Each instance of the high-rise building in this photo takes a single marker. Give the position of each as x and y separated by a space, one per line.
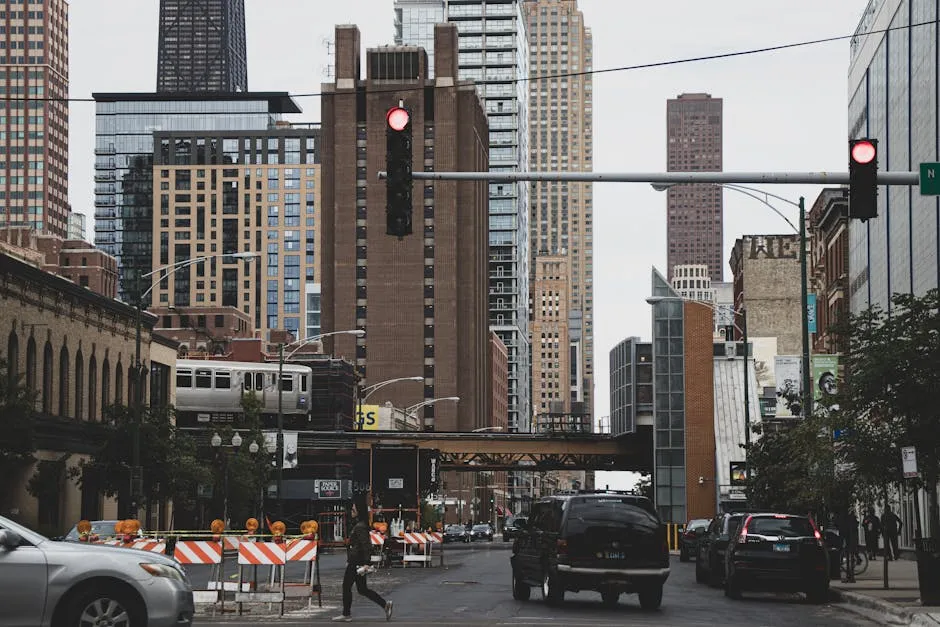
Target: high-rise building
631 385
414 25
76 230
202 46
34 79
421 299
893 86
551 362
492 40
694 144
232 192
561 216
124 186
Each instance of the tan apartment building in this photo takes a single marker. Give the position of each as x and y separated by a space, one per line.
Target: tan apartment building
233 192
551 364
34 114
422 299
561 216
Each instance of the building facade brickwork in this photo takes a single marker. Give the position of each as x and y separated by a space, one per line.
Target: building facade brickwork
700 473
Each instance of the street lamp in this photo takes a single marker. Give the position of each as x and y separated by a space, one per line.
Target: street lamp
216 443
366 392
431 401
280 401
137 475
482 429
763 197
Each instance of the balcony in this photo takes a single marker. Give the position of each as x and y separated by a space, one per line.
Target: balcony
110 150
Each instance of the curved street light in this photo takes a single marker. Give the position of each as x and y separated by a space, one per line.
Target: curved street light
431 401
755 193
482 429
369 389
313 338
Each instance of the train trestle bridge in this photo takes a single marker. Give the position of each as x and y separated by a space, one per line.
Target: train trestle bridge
474 452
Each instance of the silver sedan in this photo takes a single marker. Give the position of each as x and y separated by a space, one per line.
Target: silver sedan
43 582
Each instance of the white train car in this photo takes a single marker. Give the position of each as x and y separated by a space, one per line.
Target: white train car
216 387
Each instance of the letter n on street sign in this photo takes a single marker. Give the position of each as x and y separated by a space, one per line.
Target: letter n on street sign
930 179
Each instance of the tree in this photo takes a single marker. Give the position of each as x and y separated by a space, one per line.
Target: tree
17 445
644 486
889 400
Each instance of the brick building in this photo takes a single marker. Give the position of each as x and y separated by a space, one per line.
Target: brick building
422 300
75 350
829 231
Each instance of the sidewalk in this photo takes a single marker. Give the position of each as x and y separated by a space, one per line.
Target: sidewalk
898 605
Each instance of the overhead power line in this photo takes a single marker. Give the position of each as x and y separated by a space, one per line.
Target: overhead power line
622 68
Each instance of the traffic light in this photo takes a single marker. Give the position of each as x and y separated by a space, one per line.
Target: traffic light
863 178
398 159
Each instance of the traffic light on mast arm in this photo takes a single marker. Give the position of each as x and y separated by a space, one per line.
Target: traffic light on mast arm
863 178
398 160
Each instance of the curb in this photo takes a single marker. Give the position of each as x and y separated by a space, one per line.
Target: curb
856 600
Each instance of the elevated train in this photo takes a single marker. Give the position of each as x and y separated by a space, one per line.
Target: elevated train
211 391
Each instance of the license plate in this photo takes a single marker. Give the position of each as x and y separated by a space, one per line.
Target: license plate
782 547
615 556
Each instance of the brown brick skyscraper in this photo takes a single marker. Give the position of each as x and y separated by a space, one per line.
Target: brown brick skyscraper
422 300
694 139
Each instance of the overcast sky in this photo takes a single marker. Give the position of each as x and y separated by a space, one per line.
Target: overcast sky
783 111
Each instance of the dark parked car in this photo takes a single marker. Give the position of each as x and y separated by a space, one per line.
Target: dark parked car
513 526
710 563
688 541
779 553
456 533
481 532
611 542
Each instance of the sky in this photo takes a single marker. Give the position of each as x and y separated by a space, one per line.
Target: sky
783 110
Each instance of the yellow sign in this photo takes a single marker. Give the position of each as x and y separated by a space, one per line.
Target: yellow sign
368 418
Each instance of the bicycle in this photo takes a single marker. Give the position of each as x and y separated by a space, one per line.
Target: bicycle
861 564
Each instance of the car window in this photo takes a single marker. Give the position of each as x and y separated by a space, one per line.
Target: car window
481 527
787 527
700 523
732 524
23 541
608 511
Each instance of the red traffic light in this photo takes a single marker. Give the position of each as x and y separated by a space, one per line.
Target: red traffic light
397 118
863 152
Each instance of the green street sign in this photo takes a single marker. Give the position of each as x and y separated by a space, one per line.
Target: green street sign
930 179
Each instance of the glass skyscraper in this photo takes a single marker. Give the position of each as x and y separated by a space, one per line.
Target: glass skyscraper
493 53
893 96
202 46
414 25
124 130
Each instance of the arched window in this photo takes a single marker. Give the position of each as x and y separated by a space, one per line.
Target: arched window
131 391
119 384
79 385
92 389
105 385
47 370
13 357
64 382
31 365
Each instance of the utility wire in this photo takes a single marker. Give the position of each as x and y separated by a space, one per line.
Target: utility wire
623 68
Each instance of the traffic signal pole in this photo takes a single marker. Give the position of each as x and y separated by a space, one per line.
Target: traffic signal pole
776 178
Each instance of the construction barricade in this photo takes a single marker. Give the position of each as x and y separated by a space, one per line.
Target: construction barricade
278 556
418 547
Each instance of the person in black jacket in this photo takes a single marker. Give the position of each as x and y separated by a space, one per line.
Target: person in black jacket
359 555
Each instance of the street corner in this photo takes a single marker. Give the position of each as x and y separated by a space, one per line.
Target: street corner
883 612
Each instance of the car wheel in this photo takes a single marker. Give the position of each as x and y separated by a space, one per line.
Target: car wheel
520 590
700 574
683 554
552 592
105 607
651 596
610 597
818 594
732 589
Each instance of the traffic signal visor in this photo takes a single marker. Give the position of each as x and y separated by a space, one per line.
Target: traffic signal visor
397 118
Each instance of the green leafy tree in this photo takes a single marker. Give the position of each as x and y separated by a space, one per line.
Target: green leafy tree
889 398
644 486
17 445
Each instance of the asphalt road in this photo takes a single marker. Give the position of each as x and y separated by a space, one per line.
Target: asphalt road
473 588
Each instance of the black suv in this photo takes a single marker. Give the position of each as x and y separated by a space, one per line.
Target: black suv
710 562
513 527
611 542
780 553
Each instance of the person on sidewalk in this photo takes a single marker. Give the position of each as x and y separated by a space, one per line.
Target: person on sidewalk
358 561
872 525
891 525
848 529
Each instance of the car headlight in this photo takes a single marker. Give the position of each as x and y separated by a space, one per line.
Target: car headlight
163 570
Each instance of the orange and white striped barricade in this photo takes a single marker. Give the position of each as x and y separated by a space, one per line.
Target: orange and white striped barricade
435 540
151 546
271 554
417 548
203 553
304 551
378 548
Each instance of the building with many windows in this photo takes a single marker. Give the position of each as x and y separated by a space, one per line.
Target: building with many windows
34 115
202 46
694 212
414 25
124 158
631 385
561 216
493 54
232 192
829 269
